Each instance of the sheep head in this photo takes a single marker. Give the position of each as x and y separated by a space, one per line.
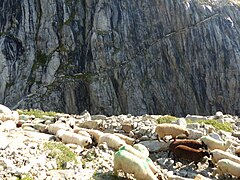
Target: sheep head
227 144
186 133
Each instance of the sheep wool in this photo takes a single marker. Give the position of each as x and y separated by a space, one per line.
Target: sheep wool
127 139
227 166
96 134
186 142
53 128
139 154
73 138
112 141
218 154
129 163
143 149
215 144
133 151
187 153
84 133
174 130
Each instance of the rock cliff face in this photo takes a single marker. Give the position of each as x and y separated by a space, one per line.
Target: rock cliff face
113 57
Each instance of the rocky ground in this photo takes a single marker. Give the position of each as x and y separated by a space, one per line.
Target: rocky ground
28 151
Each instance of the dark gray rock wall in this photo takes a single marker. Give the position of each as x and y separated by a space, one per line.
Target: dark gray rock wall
111 57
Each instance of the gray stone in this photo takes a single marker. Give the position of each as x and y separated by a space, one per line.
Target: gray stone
195 134
181 122
193 126
155 145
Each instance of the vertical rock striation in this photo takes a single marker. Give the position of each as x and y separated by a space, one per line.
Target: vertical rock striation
113 57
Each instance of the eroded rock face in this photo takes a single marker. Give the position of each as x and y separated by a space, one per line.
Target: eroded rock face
114 57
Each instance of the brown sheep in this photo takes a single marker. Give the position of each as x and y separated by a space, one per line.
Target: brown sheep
186 142
187 153
237 151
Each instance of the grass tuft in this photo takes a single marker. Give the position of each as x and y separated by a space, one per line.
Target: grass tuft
60 152
217 125
166 119
36 112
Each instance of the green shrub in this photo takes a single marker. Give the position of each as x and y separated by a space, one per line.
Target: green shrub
36 112
217 125
60 152
166 119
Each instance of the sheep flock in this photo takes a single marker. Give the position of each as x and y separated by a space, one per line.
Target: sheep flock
184 144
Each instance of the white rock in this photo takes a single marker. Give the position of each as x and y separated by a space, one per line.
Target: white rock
218 115
182 122
229 120
8 125
196 117
4 142
7 163
5 109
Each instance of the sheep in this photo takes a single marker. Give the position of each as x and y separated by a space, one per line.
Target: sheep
139 154
96 134
187 153
186 142
170 129
112 141
82 131
127 139
142 149
227 166
237 151
68 137
215 144
129 163
53 128
218 154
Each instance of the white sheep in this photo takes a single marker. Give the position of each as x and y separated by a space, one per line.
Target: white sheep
96 134
112 141
129 163
218 154
127 139
53 128
142 156
227 166
82 131
68 137
215 144
174 130
143 149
